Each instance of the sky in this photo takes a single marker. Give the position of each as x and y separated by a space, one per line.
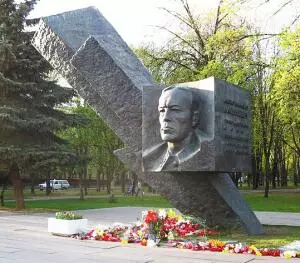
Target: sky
135 20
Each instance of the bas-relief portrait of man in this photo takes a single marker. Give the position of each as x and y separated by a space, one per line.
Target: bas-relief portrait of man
179 111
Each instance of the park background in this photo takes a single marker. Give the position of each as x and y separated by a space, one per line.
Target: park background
47 132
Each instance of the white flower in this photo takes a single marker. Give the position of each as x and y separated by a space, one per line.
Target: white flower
162 213
138 223
151 243
182 221
144 214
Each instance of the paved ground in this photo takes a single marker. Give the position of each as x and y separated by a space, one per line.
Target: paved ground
24 238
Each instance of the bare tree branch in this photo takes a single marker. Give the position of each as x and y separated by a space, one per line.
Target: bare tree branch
257 35
285 4
183 40
173 61
177 15
217 17
193 23
295 20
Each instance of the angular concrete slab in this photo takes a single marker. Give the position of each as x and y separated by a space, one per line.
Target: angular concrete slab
85 49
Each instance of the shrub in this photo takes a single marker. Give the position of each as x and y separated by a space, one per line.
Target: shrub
67 215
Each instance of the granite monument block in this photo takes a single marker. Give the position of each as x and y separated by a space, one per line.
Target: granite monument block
219 130
86 50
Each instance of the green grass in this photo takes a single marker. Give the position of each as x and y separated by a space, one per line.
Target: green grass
276 202
275 236
58 193
283 201
90 203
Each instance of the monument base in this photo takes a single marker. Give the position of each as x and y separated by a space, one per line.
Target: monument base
211 196
207 196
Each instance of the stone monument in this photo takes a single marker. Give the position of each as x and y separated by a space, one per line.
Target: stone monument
86 50
219 134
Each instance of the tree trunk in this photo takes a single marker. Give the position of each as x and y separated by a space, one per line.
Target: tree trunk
256 171
298 168
2 195
81 187
48 185
5 179
274 172
295 171
135 180
85 175
123 182
108 181
103 184
108 185
267 177
98 180
14 174
283 170
32 185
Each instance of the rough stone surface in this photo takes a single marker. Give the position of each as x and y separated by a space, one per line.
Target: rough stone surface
224 129
81 45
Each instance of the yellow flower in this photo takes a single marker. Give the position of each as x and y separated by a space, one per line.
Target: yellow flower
289 254
255 250
216 243
179 217
124 241
171 213
140 234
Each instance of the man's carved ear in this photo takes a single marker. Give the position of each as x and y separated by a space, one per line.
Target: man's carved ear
195 120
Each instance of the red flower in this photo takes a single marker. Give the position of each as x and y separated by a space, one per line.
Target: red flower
151 217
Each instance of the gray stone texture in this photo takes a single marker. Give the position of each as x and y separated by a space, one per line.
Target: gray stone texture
85 49
224 120
204 160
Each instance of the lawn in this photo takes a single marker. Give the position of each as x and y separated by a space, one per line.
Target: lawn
275 237
58 193
90 203
277 201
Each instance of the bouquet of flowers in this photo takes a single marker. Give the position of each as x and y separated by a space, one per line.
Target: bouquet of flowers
179 231
166 225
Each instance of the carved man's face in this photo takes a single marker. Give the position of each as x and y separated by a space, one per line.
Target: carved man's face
175 115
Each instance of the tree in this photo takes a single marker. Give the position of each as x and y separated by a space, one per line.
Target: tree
219 44
287 87
29 117
97 142
226 46
286 95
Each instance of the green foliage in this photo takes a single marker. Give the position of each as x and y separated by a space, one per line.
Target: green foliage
226 46
96 141
219 44
67 215
286 93
91 203
29 114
